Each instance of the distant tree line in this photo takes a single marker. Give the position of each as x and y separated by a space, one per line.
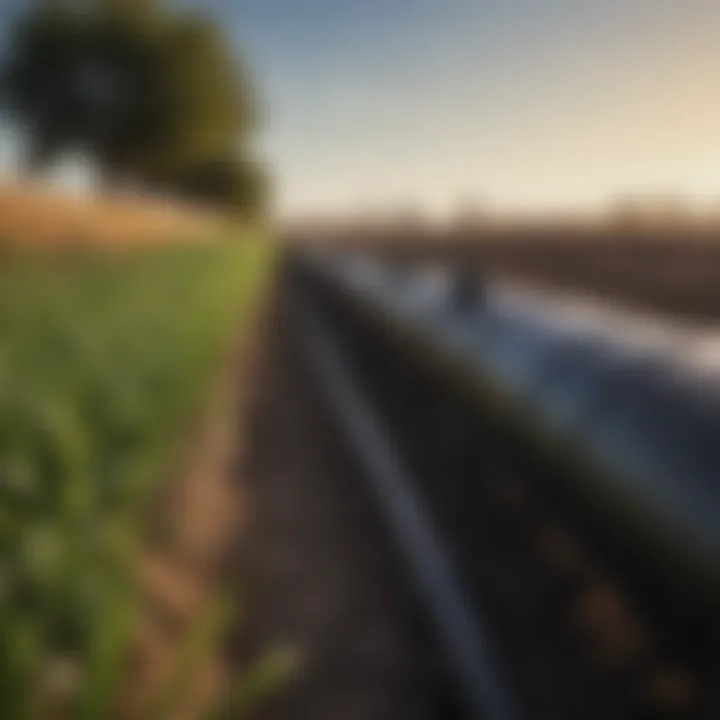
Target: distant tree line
154 95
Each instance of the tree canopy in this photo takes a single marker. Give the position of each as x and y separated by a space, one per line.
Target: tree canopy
154 95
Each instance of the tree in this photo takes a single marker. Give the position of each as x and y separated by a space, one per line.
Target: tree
240 185
152 95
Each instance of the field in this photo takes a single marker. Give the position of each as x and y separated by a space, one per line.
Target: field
36 217
674 270
105 361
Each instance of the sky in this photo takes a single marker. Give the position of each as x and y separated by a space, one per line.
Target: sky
518 104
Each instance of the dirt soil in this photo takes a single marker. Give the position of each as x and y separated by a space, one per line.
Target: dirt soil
186 573
320 578
269 554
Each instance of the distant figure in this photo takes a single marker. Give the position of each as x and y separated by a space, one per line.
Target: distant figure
467 290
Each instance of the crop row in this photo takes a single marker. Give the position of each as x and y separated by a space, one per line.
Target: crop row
104 361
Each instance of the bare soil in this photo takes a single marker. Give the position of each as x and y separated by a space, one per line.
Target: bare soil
187 569
320 577
271 515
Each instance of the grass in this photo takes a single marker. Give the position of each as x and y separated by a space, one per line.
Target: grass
46 218
104 361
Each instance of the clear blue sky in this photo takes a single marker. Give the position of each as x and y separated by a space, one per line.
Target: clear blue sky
375 103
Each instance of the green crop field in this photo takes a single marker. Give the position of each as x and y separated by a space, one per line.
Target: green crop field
104 361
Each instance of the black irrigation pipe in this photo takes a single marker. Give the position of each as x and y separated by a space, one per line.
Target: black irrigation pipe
482 686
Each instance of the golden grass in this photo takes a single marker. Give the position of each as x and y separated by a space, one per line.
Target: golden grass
36 217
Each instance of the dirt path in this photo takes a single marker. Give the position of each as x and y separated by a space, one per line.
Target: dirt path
319 575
